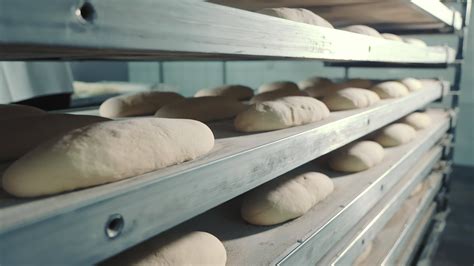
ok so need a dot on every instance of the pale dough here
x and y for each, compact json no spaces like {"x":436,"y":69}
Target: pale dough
{"x":390,"y":89}
{"x":417,"y":120}
{"x":412,"y":84}
{"x":364,"y":254}
{"x":204,"y":109}
{"x":417,"y":189}
{"x":8,"y":111}
{"x":395,"y":134}
{"x":392,"y":37}
{"x":297,"y":14}
{"x":316,"y":87}
{"x":416,"y":42}
{"x":20,"y":135}
{"x":282,"y":113}
{"x":326,"y":89}
{"x":236,"y":92}
{"x":285,"y":198}
{"x":273,"y":95}
{"x":106,"y":152}
{"x":350,"y":98}
{"x":357,"y":156}
{"x":142,"y":103}
{"x":362,"y":29}
{"x":193,"y":248}
{"x":356,"y":83}
{"x":278,"y":85}
{"x":89,"y":89}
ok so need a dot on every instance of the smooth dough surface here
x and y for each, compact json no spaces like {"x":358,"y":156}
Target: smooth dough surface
{"x":20,"y":135}
{"x":417,"y":120}
{"x":274,"y":95}
{"x":8,"y":111}
{"x":316,"y":87}
{"x":350,"y":98}
{"x":392,"y":37}
{"x":357,"y":156}
{"x":297,"y":14}
{"x":285,"y":198}
{"x":278,"y":85}
{"x":193,"y":248}
{"x":416,"y":42}
{"x":106,"y":152}
{"x":395,"y":134}
{"x":236,"y":92}
{"x":412,"y":84}
{"x":204,"y":109}
{"x":282,"y":113}
{"x":142,"y":103}
{"x":390,"y":89}
{"x":362,"y":29}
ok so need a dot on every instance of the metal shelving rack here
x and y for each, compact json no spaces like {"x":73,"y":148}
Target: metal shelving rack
{"x":76,"y":223}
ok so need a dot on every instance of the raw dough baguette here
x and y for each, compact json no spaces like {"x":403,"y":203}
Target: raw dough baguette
{"x":236,"y":92}
{"x":285,"y":198}
{"x":18,"y":136}
{"x":314,"y":82}
{"x":278,"y":85}
{"x":282,"y":113}
{"x":416,"y":42}
{"x":88,"y":89}
{"x":417,"y":120}
{"x":142,"y":103}
{"x":8,"y":111}
{"x":350,"y":98}
{"x":395,"y":134}
{"x":392,"y":37}
{"x":106,"y":152}
{"x":356,"y":83}
{"x":362,"y":29}
{"x":321,"y":91}
{"x":390,"y":89}
{"x":412,"y":84}
{"x":203,"y":109}
{"x":274,"y":95}
{"x":297,"y":14}
{"x":193,"y":248}
{"x":357,"y":156}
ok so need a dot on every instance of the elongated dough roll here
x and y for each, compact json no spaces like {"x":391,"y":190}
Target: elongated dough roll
{"x":363,"y":29}
{"x":8,"y":111}
{"x":236,"y":92}
{"x":203,"y":109}
{"x":20,"y":135}
{"x":350,"y":98}
{"x":106,"y":152}
{"x":297,"y":14}
{"x":356,"y":83}
{"x":274,"y":95}
{"x":142,"y":103}
{"x":278,"y":85}
{"x":395,"y":134}
{"x":417,"y":120}
{"x":416,"y":42}
{"x":285,"y":198}
{"x":392,"y":37}
{"x":390,"y":89}
{"x":282,"y":113}
{"x":320,"y":91}
{"x":412,"y":84}
{"x":314,"y":82}
{"x":357,"y":156}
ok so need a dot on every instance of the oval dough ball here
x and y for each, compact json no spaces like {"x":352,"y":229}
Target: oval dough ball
{"x":193,"y":248}
{"x":416,"y":42}
{"x":412,"y":84}
{"x":390,"y":89}
{"x":282,"y":113}
{"x":30,"y":131}
{"x":316,"y":87}
{"x":350,"y":98}
{"x":204,"y":109}
{"x":417,"y":120}
{"x":362,"y":29}
{"x":395,"y":134}
{"x":285,"y":198}
{"x":297,"y":14}
{"x":357,"y":156}
{"x":142,"y":103}
{"x":278,"y":85}
{"x":236,"y":92}
{"x":8,"y":111}
{"x":106,"y":152}
{"x":356,"y":83}
{"x":392,"y":37}
{"x":274,"y":95}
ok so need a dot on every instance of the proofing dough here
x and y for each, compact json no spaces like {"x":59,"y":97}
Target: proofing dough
{"x":415,"y":41}
{"x":417,"y":120}
{"x":357,"y":156}
{"x":350,"y":98}
{"x":412,"y":84}
{"x":278,"y":85}
{"x":395,"y":134}
{"x":106,"y":152}
{"x":273,"y":95}
{"x":390,"y":89}
{"x":316,"y":87}
{"x":20,"y":135}
{"x":203,"y":109}
{"x":142,"y":103}
{"x":194,"y":248}
{"x":236,"y":92}
{"x":392,"y":37}
{"x":285,"y":198}
{"x":8,"y":111}
{"x":297,"y":14}
{"x":362,"y":29}
{"x":282,"y":113}
{"x":356,"y":83}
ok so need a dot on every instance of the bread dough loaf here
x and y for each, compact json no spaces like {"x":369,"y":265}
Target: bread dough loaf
{"x":20,"y":135}
{"x":297,"y":14}
{"x":235,"y":92}
{"x":278,"y":85}
{"x":356,"y":83}
{"x":193,"y":248}
{"x":316,"y":87}
{"x":416,"y":42}
{"x":282,"y":113}
{"x":412,"y":84}
{"x":203,"y":109}
{"x":357,"y":156}
{"x":321,"y":91}
{"x":8,"y":111}
{"x":417,"y":120}
{"x":106,"y":152}
{"x":350,"y":98}
{"x":390,"y":89}
{"x":395,"y":134}
{"x":285,"y":198}
{"x":89,"y":89}
{"x":142,"y":103}
{"x":274,"y":95}
{"x":362,"y":29}
{"x":392,"y":37}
